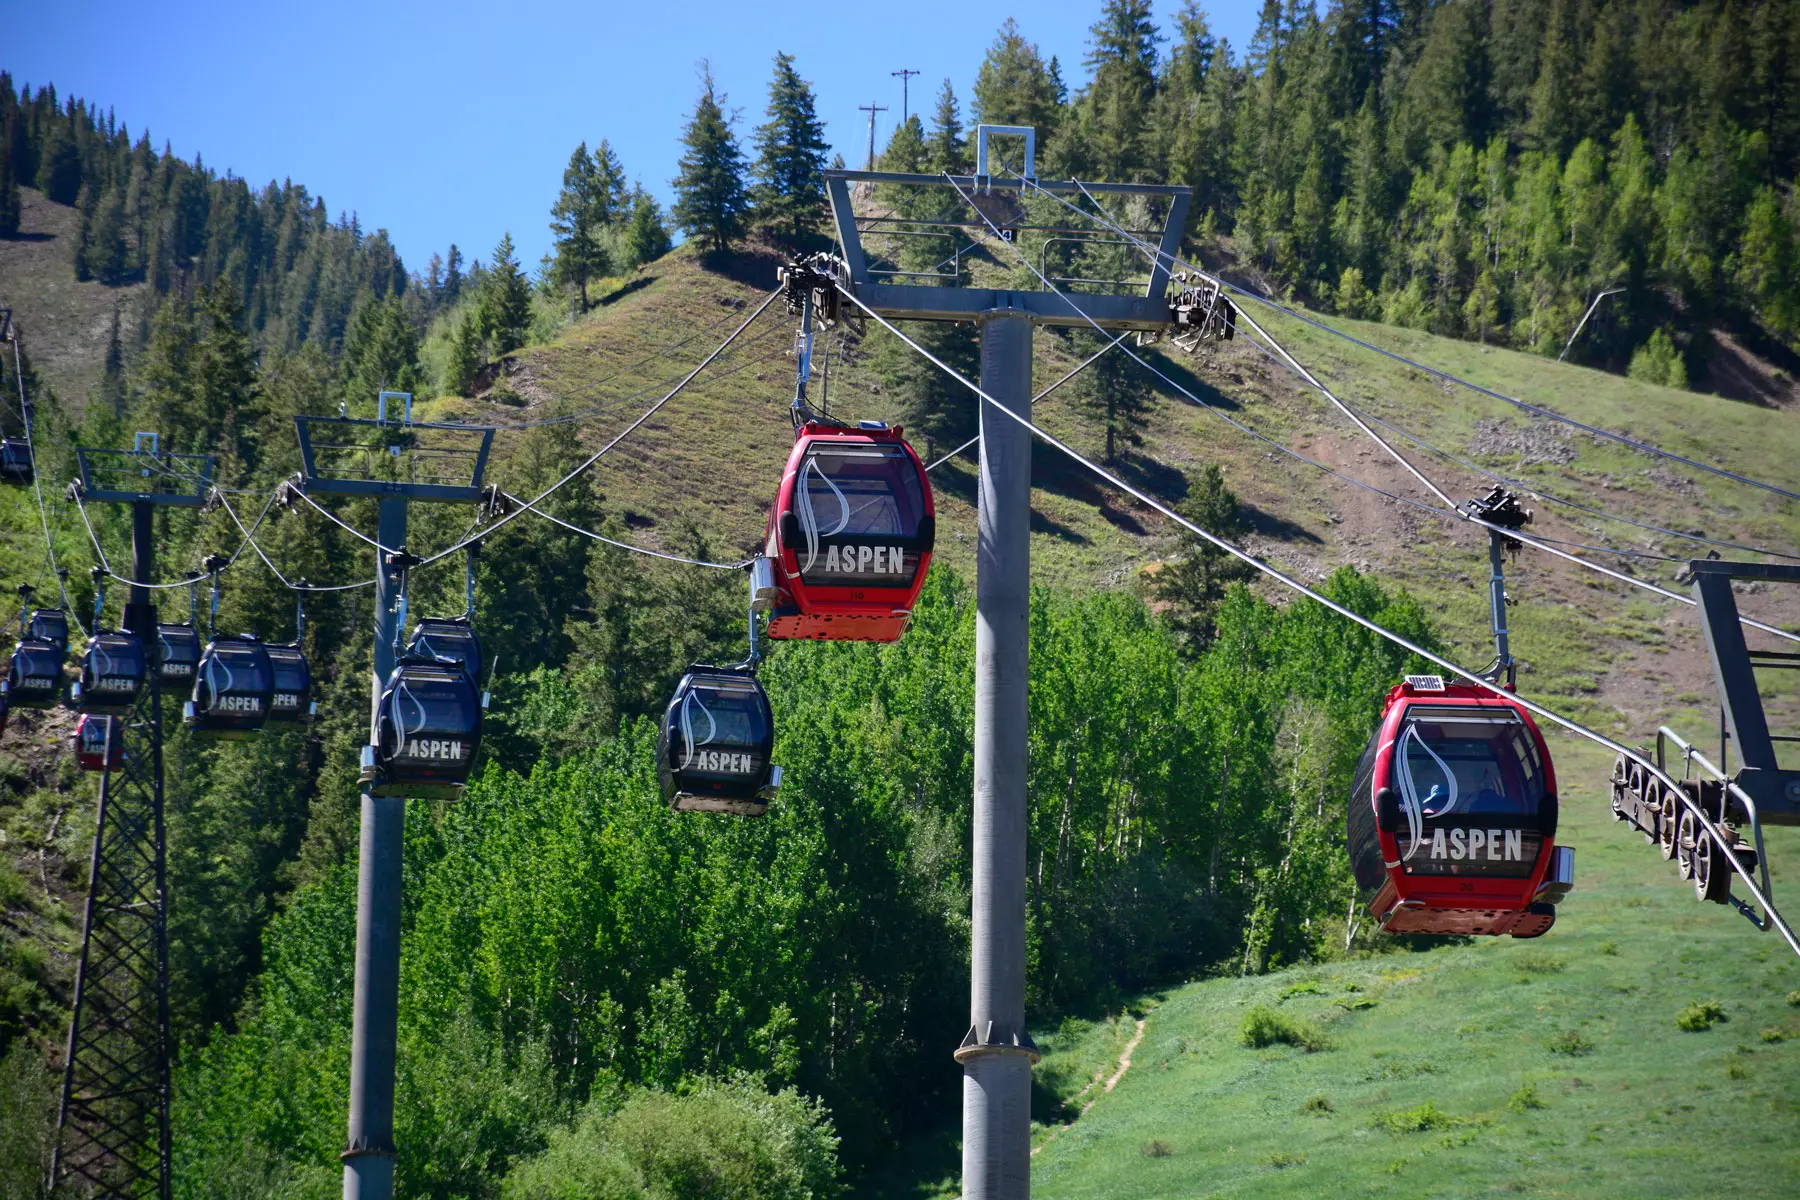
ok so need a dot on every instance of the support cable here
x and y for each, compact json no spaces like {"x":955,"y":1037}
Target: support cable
{"x":623,"y":434}
{"x":1773,"y":917}
{"x":588,"y":533}
{"x":1076,"y":370}
{"x":1450,"y":510}
{"x":1536,"y":410}
{"x":37,"y":484}
{"x":250,"y":540}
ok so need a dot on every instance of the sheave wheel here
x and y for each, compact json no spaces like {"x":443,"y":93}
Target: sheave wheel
{"x":1712,"y":874}
{"x":1687,"y":830}
{"x":1621,"y":779}
{"x":1672,"y":809}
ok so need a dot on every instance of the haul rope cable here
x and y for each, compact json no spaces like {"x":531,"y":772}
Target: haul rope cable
{"x":1157,"y":254}
{"x":588,"y":533}
{"x":1450,"y":510}
{"x":251,"y":541}
{"x":623,"y":434}
{"x":1536,"y":490}
{"x":590,"y":461}
{"x":1072,"y":373}
{"x":1106,"y":219}
{"x":37,"y":484}
{"x":106,"y":566}
{"x":1773,"y":917}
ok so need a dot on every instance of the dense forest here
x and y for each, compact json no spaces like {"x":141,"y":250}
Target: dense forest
{"x":596,"y":989}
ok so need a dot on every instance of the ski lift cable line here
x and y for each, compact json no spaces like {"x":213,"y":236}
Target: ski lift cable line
{"x":1105,"y":218}
{"x":106,"y":565}
{"x":250,"y":540}
{"x":1773,"y":916}
{"x":1539,"y":492}
{"x":588,"y":533}
{"x":1448,"y":511}
{"x":1356,"y":416}
{"x":1072,"y":373}
{"x":621,"y":436}
{"x":37,"y":484}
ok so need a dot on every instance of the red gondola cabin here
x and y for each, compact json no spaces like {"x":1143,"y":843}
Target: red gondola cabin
{"x":850,"y":536}
{"x":1452,"y":822}
{"x":91,"y":748}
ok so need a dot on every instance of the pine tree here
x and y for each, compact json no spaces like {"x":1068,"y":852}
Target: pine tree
{"x":466,"y":358}
{"x":578,"y":220}
{"x":612,"y":193}
{"x":11,"y":205}
{"x":105,"y":256}
{"x":1014,"y":87}
{"x":224,"y":374}
{"x":710,"y":200}
{"x":790,"y":147}
{"x":506,"y":300}
{"x":1116,"y":106}
{"x":947,"y":149}
{"x":1114,"y":388}
{"x":381,"y":354}
{"x":453,"y":277}
{"x":112,"y":374}
{"x":1193,"y":585}
{"x":646,"y":235}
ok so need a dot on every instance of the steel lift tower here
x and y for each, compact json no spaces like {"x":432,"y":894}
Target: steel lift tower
{"x":393,"y":461}
{"x":997,"y":1052}
{"x":112,"y":1127}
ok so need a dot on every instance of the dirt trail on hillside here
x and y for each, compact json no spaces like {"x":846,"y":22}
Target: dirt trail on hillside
{"x":1111,"y":1081}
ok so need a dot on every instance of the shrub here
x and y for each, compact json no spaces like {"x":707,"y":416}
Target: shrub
{"x":1263,"y":1026}
{"x":1156,"y":1148}
{"x":1700,"y":1016}
{"x":1658,"y":361}
{"x":1570,"y":1042}
{"x":1281,"y":1161}
{"x":1773,"y":1035}
{"x":1793,"y":999}
{"x":1525,"y":1098}
{"x":1536,"y":962}
{"x":1309,"y":988}
{"x":722,"y":1139}
{"x":1609,"y":948}
{"x":1317,"y":1104}
{"x":1423,"y":1119}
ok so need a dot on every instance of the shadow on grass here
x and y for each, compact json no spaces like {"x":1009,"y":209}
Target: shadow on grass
{"x":1270,"y":525}
{"x":637,"y":284}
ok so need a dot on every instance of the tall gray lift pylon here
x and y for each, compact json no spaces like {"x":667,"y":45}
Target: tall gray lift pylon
{"x":393,"y":461}
{"x":997,"y":1053}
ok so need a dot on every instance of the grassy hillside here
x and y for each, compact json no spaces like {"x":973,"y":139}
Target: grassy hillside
{"x":1547,"y":1067}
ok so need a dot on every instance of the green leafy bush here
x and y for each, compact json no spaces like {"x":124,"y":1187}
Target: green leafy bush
{"x":1525,"y":1098}
{"x":1658,"y":361}
{"x":720,"y":1141}
{"x":1423,"y":1119}
{"x":1572,"y":1043}
{"x":1700,"y":1016}
{"x":1317,"y":1104}
{"x":1263,"y":1026}
{"x":1156,"y":1148}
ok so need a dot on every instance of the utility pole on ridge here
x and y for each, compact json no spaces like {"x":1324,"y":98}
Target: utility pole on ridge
{"x":871,"y":109}
{"x":905,"y":75}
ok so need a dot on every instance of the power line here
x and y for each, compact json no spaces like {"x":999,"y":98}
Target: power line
{"x":37,"y":484}
{"x":1536,"y":410}
{"x":1774,"y":916}
{"x":1450,"y":509}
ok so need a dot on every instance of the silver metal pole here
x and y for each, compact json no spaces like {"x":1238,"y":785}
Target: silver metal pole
{"x":369,"y":1157}
{"x":1584,"y":320}
{"x":997,"y":1053}
{"x":1497,"y":599}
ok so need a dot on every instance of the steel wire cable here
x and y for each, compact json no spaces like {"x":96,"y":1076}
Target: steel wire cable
{"x":37,"y":484}
{"x":1773,"y":916}
{"x":1536,"y":410}
{"x":1287,"y":363}
{"x":1450,"y":509}
{"x":588,"y":533}
{"x":106,"y":565}
{"x":250,"y":540}
{"x":1076,"y":370}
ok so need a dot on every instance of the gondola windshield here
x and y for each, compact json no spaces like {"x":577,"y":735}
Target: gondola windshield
{"x":292,"y":683}
{"x":15,"y":459}
{"x":724,"y":728}
{"x":858,"y":507}
{"x":447,"y":637}
{"x":1470,"y":787}
{"x":35,"y":674}
{"x":50,"y":625}
{"x":180,"y":651}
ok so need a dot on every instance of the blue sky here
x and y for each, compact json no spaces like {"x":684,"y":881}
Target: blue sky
{"x":452,"y":121}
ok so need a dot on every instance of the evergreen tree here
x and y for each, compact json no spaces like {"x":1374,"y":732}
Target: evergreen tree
{"x":224,"y":376}
{"x":710,"y":200}
{"x":381,"y":353}
{"x":112,"y":373}
{"x":105,"y":254}
{"x":505,"y":300}
{"x":1114,"y":388}
{"x":453,"y":277}
{"x":1116,"y":106}
{"x":1194,"y":585}
{"x":11,"y":205}
{"x":646,"y":235}
{"x":578,"y":220}
{"x":947,"y":149}
{"x":466,"y":358}
{"x":1014,"y":87}
{"x":790,"y":155}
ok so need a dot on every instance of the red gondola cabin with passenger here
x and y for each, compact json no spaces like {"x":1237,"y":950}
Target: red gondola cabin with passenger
{"x":851,"y":535}
{"x":1452,"y":822}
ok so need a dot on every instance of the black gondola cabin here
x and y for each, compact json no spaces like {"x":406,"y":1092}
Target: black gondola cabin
{"x":113,"y":673}
{"x":233,"y":689}
{"x":34,"y":678}
{"x":712,"y":751}
{"x":436,"y":638}
{"x":15,"y":460}
{"x":179,"y":657}
{"x":291,"y":701}
{"x":1452,"y":823}
{"x":427,"y":729}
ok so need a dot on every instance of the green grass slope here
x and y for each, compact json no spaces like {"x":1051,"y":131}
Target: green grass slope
{"x":1549,"y":1067}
